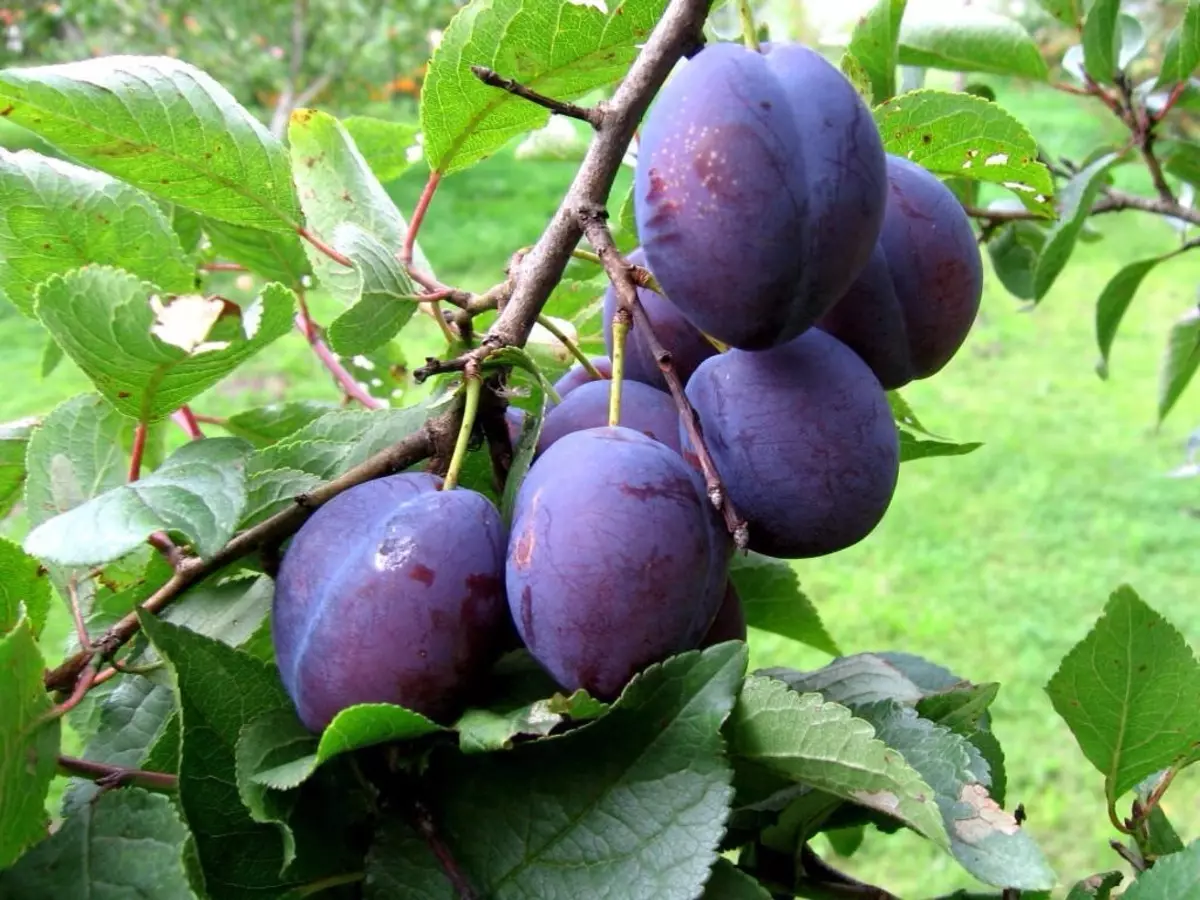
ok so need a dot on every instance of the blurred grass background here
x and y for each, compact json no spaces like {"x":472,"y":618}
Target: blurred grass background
{"x":993,"y":564}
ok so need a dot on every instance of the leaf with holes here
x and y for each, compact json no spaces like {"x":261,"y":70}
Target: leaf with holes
{"x":198,"y":492}
{"x":60,"y":216}
{"x":968,"y":137}
{"x":560,"y":48}
{"x":1183,"y":48}
{"x":970,"y":40}
{"x":164,"y":126}
{"x":149,"y":355}
{"x":1114,"y":301}
{"x":873,"y":45}
{"x":1180,"y":361}
{"x":1075,"y":204}
{"x":1102,"y":40}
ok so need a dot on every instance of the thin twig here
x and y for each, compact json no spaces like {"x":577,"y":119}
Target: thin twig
{"x":423,"y":822}
{"x":351,"y":388}
{"x":139,"y":450}
{"x":81,"y":632}
{"x":186,"y":419}
{"x":222,"y":267}
{"x":115,"y":776}
{"x":418,"y":216}
{"x":593,"y":115}
{"x":596,"y":229}
{"x":333,"y":254}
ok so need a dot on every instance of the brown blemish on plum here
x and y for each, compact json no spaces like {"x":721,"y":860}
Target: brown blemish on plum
{"x":523,"y":552}
{"x":527,"y":616}
{"x":658,"y":185}
{"x":421,"y":573}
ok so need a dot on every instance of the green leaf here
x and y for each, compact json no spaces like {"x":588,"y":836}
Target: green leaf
{"x":1101,"y":40}
{"x":985,"y":839}
{"x":126,"y":843}
{"x":1172,"y":877}
{"x":77,"y":453}
{"x":272,"y":255}
{"x":337,"y":188}
{"x":198,"y":492}
{"x":967,"y":137}
{"x":147,"y":363}
{"x":1075,"y":205}
{"x":971,"y":40}
{"x":772,"y":601}
{"x":846,"y":841}
{"x":1181,"y":159}
{"x":560,"y":49}
{"x":914,"y":446}
{"x":161,"y":125}
{"x":60,"y":216}
{"x":1131,"y":40}
{"x":24,"y":590}
{"x":14,"y":444}
{"x":873,"y":43}
{"x":1130,"y":693}
{"x":1179,"y":362}
{"x":185,"y":223}
{"x":229,"y":610}
{"x":1161,"y":837}
{"x":28,"y":751}
{"x":495,"y":728}
{"x":638,"y":798}
{"x":1014,"y":251}
{"x":821,"y":745}
{"x":266,"y":425}
{"x":268,"y":740}
{"x":961,"y":708}
{"x":384,"y":145}
{"x":220,"y":690}
{"x":1066,"y":11}
{"x":1114,"y":301}
{"x":400,"y":864}
{"x":858,"y":77}
{"x":273,"y":491}
{"x":385,"y":298}
{"x":728,"y":882}
{"x":864,"y":678}
{"x":1097,"y":887}
{"x":1183,"y":48}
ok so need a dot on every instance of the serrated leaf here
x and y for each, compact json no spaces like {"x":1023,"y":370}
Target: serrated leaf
{"x":1097,"y":887}
{"x":1172,"y":877}
{"x":967,"y":137}
{"x":14,"y":443}
{"x":560,"y":49}
{"x":199,"y":492}
{"x":272,"y":255}
{"x":273,"y":491}
{"x":77,"y":453}
{"x":1180,"y":361}
{"x":24,"y":590}
{"x":961,"y":708}
{"x":728,"y":882}
{"x":971,"y":40}
{"x":161,"y":125}
{"x":132,"y":718}
{"x":383,"y":144}
{"x":772,"y":600}
{"x":864,"y":678}
{"x":637,"y":798}
{"x":227,"y":610}
{"x":985,"y":839}
{"x":126,"y":843}
{"x":989,"y":748}
{"x":482,"y":730}
{"x":1183,"y":48}
{"x":1075,"y":204}
{"x":266,"y":742}
{"x":266,"y":425}
{"x":59,"y":216}
{"x":1014,"y":251}
{"x":1130,"y":693}
{"x":914,"y":446}
{"x":220,"y":690}
{"x":28,"y":751}
{"x":385,"y":298}
{"x":1114,"y":301}
{"x":822,"y":745}
{"x":873,"y":44}
{"x":1101,"y":40}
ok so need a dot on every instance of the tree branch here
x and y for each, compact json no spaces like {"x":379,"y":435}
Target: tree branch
{"x":593,"y":115}
{"x":115,"y":776}
{"x":1112,"y":202}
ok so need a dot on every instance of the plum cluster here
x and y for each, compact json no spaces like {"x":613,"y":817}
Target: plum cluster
{"x":804,"y":272}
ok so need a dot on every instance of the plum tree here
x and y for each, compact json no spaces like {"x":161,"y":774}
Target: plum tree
{"x":392,"y":592}
{"x":759,"y":191}
{"x":687,"y":345}
{"x":610,"y":564}
{"x":804,"y":440}
{"x":730,"y":623}
{"x":911,"y":308}
{"x":644,"y":409}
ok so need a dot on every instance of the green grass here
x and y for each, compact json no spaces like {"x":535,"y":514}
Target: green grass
{"x":993,"y":564}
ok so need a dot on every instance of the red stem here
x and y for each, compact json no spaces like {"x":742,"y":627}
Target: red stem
{"x":324,"y":247}
{"x":223,"y":267}
{"x":345,"y":380}
{"x":186,"y":419}
{"x":139,"y":450}
{"x":1176,"y":93}
{"x":418,"y":216}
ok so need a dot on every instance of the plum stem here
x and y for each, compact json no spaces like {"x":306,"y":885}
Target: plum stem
{"x":597,"y":232}
{"x":749,"y":30}
{"x":593,"y":115}
{"x":573,"y":348}
{"x":418,"y":216}
{"x":472,"y":387}
{"x":620,"y":330}
{"x":114,"y":776}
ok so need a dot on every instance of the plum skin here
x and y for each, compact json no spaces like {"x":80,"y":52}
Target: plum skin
{"x":759,"y":191}
{"x":575,"y":377}
{"x":911,"y":309}
{"x":643,"y":408}
{"x":804,"y":440}
{"x":679,"y":337}
{"x":610,"y":559}
{"x":392,"y":592}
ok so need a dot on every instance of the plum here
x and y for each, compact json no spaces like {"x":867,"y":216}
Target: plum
{"x":730,"y":623}
{"x":568,"y":382}
{"x":759,"y":191}
{"x":910,"y":310}
{"x":610,"y":561}
{"x":392,"y":592}
{"x":804,"y":440}
{"x":687,"y":346}
{"x":644,"y":409}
